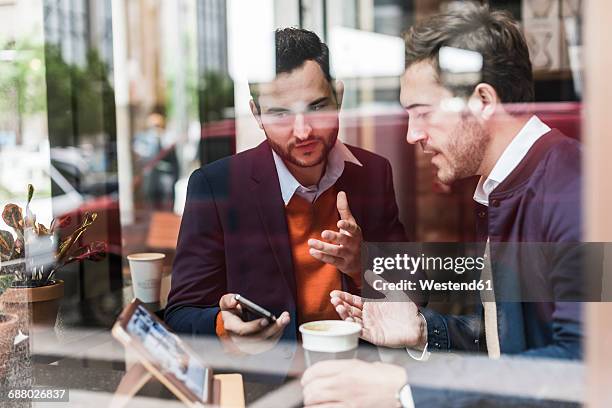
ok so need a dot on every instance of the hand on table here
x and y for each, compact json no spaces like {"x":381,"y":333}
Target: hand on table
{"x":394,"y":322}
{"x":251,"y":337}
{"x":352,"y":383}
{"x":342,"y":248}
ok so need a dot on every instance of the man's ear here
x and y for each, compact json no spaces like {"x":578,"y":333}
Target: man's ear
{"x":484,"y":102}
{"x":255,"y":112}
{"x":339,"y":90}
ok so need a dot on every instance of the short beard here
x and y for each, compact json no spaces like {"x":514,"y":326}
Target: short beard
{"x":466,"y":150}
{"x":285,"y":153}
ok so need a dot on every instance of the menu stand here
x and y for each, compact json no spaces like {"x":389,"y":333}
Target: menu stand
{"x":134,"y":379}
{"x":228,"y":388}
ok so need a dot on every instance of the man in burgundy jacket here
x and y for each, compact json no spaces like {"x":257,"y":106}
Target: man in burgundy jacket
{"x":235,"y":236}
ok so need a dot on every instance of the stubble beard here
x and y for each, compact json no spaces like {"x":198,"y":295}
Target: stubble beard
{"x":284,"y":152}
{"x":465,"y":151}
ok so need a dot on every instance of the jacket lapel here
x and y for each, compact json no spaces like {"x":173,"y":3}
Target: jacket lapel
{"x":349,"y":183}
{"x":265,"y":187}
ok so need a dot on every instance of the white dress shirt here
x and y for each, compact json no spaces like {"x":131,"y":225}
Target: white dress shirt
{"x":511,"y":157}
{"x":338,"y":155}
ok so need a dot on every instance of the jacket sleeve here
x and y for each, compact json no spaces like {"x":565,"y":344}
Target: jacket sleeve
{"x":198,"y":273}
{"x":452,"y":332}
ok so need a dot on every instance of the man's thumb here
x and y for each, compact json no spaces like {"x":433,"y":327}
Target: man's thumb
{"x":343,"y":207}
{"x":227,"y":301}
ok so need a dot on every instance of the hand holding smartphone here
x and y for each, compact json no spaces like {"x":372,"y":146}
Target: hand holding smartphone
{"x":249,"y":327}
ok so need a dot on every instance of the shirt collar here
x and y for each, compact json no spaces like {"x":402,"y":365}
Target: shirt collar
{"x":514,"y":153}
{"x":337,"y":157}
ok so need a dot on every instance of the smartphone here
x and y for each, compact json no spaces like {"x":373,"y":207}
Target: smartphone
{"x":253,"y":310}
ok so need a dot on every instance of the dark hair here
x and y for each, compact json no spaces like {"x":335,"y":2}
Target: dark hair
{"x":493,"y":34}
{"x":295,"y":46}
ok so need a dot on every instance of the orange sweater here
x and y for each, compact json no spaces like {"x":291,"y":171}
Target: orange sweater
{"x":314,"y":279}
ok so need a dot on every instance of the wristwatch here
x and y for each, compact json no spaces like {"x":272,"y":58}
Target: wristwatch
{"x":404,"y":397}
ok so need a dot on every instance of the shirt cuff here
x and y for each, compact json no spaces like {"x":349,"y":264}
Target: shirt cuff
{"x":419,"y":355}
{"x":220,"y":327}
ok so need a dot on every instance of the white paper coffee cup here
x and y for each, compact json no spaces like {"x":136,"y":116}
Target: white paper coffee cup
{"x":146,"y":270}
{"x":330,"y":336}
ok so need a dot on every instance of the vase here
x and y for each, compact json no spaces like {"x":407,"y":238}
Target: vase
{"x":8,"y":331}
{"x":34,"y":306}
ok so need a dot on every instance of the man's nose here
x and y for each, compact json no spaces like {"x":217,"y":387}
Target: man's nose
{"x":301,"y":127}
{"x":415,"y":135}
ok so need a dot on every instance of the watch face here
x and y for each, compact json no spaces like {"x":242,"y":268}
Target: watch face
{"x":405,"y":397}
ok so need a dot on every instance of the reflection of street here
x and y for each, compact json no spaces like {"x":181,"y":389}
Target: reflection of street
{"x":164,"y":348}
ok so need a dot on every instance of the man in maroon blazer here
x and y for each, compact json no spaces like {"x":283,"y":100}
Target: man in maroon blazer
{"x":234,"y":236}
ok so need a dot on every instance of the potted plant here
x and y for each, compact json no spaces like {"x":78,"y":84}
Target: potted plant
{"x":33,"y":282}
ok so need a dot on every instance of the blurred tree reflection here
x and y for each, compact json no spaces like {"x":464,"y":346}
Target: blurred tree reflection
{"x":78,"y":100}
{"x":216,"y":96}
{"x":81,"y":99}
{"x":216,"y":104}
{"x":21,"y":83}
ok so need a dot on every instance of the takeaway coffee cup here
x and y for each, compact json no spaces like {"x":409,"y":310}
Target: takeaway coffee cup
{"x":329,"y":340}
{"x":146,"y":270}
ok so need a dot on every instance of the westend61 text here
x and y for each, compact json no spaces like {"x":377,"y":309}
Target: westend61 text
{"x":429,"y":284}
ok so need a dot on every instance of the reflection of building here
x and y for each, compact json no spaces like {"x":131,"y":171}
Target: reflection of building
{"x":101,"y":30}
{"x":20,"y":29}
{"x":8,"y":13}
{"x":215,"y":88}
{"x":77,"y":26}
{"x":81,"y":115}
{"x":392,"y":16}
{"x":18,"y":19}
{"x":66,"y":26}
{"x":144,"y":54}
{"x":212,"y":36}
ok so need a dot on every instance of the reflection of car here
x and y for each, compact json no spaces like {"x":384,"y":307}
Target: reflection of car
{"x":77,"y":169}
{"x":76,"y":191}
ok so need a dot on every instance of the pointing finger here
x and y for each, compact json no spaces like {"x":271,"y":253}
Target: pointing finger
{"x":343,"y":207}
